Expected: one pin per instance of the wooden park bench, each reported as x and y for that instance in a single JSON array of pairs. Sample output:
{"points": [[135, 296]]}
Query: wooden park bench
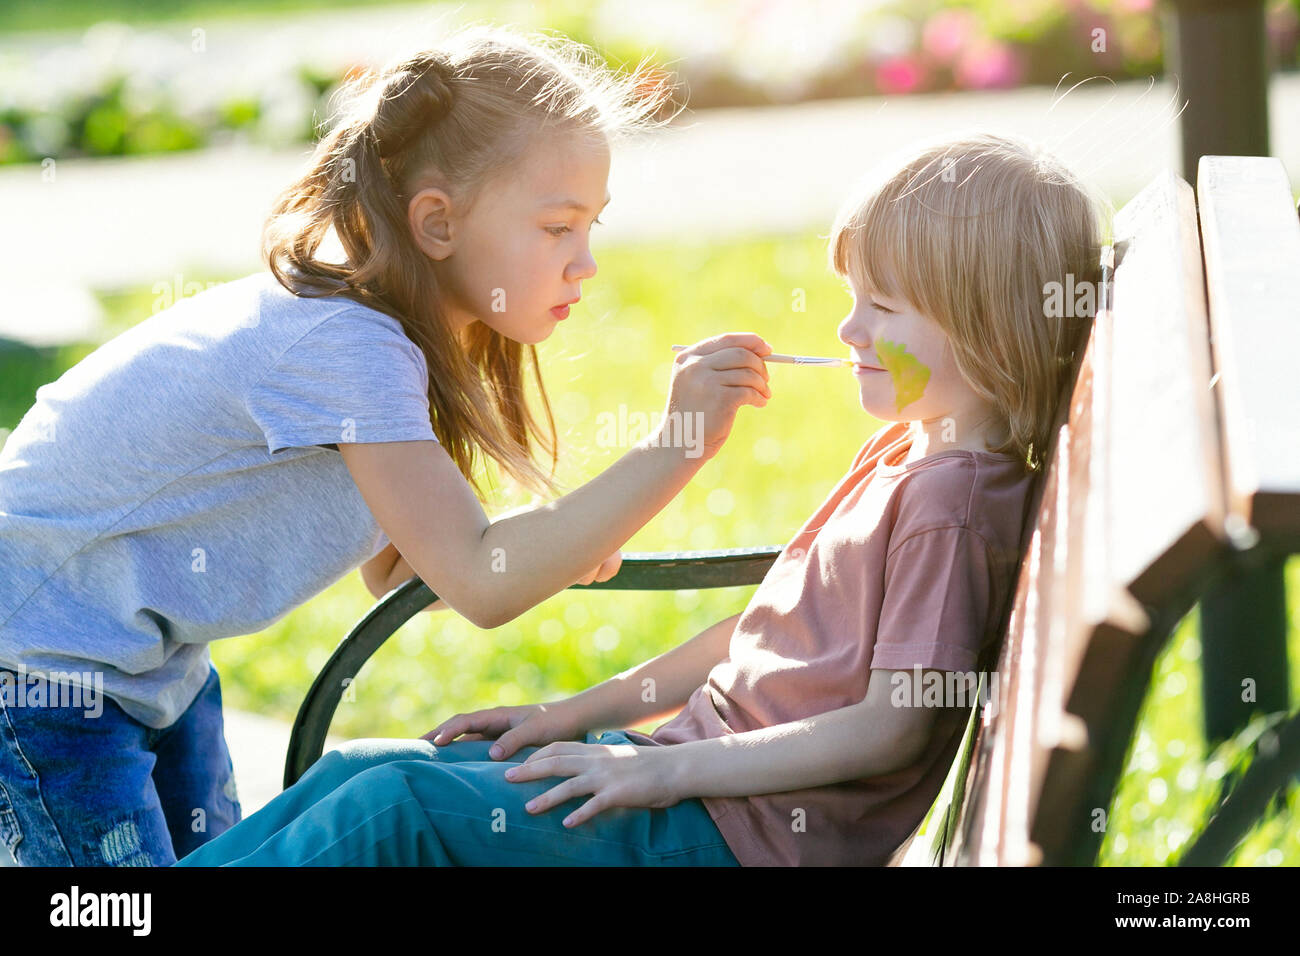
{"points": [[1173, 475]]}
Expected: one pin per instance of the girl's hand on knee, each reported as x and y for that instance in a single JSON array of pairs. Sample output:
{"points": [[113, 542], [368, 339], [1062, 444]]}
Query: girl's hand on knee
{"points": [[618, 775], [513, 727]]}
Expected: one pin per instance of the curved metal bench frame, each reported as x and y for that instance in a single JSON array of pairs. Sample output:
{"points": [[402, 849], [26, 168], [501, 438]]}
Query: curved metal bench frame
{"points": [[640, 571]]}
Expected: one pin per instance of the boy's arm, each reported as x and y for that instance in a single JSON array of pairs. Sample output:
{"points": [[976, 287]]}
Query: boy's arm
{"points": [[866, 739], [658, 688]]}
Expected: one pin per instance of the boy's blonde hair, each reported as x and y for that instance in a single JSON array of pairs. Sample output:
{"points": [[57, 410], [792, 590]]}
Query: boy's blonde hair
{"points": [[972, 232], [462, 113]]}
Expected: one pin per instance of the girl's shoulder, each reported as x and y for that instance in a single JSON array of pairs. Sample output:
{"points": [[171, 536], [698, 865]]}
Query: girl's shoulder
{"points": [[276, 296], [246, 328], [261, 307]]}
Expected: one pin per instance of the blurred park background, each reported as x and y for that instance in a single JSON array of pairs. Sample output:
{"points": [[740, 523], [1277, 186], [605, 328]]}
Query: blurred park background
{"points": [[141, 144]]}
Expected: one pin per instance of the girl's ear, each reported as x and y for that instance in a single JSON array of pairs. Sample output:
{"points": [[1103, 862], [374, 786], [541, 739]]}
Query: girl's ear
{"points": [[429, 214]]}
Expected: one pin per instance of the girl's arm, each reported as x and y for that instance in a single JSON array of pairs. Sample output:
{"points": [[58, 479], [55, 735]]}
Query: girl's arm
{"points": [[387, 570], [491, 572], [376, 572], [866, 739]]}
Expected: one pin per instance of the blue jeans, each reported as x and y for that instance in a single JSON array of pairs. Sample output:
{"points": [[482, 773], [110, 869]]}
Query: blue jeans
{"points": [[102, 789], [405, 802]]}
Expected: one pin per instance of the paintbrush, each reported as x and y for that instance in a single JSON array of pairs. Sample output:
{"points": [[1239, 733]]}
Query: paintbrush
{"points": [[795, 359]]}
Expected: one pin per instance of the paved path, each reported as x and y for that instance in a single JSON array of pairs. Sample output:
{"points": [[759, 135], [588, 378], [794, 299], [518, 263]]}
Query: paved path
{"points": [[258, 746], [189, 217]]}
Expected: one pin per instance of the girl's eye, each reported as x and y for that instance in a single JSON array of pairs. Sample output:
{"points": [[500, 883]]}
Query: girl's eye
{"points": [[561, 230], [880, 308]]}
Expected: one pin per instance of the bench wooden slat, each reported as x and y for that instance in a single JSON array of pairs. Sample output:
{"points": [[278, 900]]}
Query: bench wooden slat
{"points": [[1034, 754], [1095, 623], [970, 803], [1131, 516], [1252, 257], [982, 811], [1165, 486], [998, 794]]}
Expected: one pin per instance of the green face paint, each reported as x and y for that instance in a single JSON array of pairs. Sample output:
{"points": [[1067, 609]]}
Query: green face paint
{"points": [[907, 371]]}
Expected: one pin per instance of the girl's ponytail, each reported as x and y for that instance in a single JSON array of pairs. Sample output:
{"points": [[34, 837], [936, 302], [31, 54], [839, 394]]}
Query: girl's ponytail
{"points": [[368, 203], [412, 100]]}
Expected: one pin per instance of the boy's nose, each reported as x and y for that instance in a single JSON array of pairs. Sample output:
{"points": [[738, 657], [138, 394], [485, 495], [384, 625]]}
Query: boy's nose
{"points": [[851, 332]]}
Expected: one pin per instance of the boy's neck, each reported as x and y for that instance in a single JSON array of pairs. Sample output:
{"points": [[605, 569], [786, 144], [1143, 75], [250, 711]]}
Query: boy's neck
{"points": [[928, 437]]}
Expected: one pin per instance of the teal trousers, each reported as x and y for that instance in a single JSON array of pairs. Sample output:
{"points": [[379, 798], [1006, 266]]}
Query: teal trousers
{"points": [[404, 802]]}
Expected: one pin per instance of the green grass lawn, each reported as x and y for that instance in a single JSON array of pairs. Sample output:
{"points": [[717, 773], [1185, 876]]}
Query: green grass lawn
{"points": [[1171, 782], [778, 466]]}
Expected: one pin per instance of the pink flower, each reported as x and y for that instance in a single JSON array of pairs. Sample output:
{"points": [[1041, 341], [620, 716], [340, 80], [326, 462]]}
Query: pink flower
{"points": [[898, 74], [1135, 6], [989, 65], [947, 33], [1281, 23]]}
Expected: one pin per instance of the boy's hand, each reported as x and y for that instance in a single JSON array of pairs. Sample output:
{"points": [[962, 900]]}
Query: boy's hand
{"points": [[527, 725], [616, 775]]}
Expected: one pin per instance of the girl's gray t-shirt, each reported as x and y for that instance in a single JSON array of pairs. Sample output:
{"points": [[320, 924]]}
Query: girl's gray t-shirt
{"points": [[181, 484]]}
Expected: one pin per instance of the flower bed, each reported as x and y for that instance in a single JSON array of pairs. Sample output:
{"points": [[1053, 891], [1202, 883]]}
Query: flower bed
{"points": [[121, 90]]}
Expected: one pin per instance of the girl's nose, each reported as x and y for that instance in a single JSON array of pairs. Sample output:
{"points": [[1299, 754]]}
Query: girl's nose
{"points": [[583, 267]]}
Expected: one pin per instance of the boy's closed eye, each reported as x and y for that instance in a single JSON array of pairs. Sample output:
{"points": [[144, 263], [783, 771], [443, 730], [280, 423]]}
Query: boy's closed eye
{"points": [[873, 300]]}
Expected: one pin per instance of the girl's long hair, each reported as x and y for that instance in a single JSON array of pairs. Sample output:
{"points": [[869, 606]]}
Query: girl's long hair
{"points": [[463, 113]]}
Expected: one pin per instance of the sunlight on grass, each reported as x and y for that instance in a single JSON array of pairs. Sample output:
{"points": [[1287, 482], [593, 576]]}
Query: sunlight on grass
{"points": [[778, 466], [1171, 784]]}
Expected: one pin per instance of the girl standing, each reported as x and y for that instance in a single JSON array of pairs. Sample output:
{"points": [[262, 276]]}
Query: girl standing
{"points": [[222, 462]]}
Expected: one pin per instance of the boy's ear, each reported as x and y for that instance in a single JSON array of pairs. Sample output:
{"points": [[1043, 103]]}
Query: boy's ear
{"points": [[429, 214]]}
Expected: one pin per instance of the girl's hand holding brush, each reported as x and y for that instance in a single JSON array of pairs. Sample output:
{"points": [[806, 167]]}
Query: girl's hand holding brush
{"points": [[711, 380]]}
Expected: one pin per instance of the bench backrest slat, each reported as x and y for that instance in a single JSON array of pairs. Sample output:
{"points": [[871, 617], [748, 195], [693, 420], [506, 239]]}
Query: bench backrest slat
{"points": [[1131, 513], [1251, 238], [1165, 486]]}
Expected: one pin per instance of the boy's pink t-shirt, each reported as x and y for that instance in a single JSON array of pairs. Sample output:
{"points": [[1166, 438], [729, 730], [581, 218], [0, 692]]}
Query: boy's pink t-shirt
{"points": [[902, 566]]}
